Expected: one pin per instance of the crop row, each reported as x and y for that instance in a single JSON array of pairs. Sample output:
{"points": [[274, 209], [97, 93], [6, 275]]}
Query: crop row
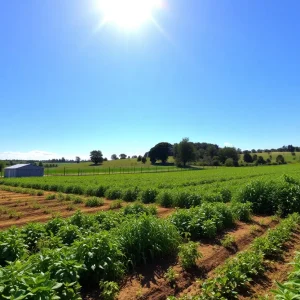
{"points": [[84, 250], [193, 179], [291, 288], [232, 277]]}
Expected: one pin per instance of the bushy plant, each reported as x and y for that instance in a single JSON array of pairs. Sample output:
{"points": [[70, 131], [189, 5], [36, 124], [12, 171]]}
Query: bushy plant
{"points": [[94, 202], [110, 290], [113, 193], [130, 194], [148, 195], [188, 254], [165, 198]]}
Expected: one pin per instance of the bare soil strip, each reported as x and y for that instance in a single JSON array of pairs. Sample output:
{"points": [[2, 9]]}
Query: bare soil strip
{"points": [[24, 208]]}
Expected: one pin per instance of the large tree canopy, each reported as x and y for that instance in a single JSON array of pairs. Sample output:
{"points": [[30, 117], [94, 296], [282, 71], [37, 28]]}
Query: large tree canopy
{"points": [[160, 151], [184, 152], [96, 157]]}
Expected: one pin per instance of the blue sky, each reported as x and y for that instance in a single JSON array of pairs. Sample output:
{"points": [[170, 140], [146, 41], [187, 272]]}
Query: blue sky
{"points": [[220, 71]]}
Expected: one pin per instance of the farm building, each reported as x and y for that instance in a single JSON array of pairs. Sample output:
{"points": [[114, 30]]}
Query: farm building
{"points": [[23, 170]]}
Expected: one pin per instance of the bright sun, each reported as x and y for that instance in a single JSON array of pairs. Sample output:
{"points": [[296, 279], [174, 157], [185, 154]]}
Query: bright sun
{"points": [[128, 14]]}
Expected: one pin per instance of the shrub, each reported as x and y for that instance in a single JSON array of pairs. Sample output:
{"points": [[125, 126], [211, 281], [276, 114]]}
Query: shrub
{"points": [[68, 234], [113, 193], [188, 254], [94, 202], [148, 195], [130, 194], [110, 290], [165, 199], [50, 197], [147, 238]]}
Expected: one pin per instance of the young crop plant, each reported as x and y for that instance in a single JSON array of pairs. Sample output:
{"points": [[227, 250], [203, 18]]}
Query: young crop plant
{"points": [[290, 289], [12, 246], [130, 194], [188, 255], [146, 238], [236, 272], [228, 242], [138, 208], [77, 200], [109, 290], [171, 276], [165, 199], [50, 197], [116, 204], [148, 195], [94, 202]]}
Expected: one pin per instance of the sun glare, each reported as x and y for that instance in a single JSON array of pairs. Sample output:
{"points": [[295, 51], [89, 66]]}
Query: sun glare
{"points": [[128, 14]]}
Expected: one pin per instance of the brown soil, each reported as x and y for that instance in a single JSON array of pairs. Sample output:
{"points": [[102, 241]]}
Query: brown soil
{"points": [[20, 209], [149, 283], [276, 271]]}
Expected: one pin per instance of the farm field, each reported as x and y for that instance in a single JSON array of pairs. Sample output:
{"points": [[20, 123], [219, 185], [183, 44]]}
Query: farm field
{"points": [[229, 232], [111, 166]]}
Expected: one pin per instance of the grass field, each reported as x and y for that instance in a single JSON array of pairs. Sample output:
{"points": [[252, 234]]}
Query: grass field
{"points": [[224, 231]]}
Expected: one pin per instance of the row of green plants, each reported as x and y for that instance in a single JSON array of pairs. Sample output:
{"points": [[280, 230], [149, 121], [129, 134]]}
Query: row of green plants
{"points": [[97, 185], [281, 197], [290, 289], [84, 250], [236, 272]]}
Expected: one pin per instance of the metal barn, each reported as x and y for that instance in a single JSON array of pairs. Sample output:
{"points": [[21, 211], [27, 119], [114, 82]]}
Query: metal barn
{"points": [[23, 170]]}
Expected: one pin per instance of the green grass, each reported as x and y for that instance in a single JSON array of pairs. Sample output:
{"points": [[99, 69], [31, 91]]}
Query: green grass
{"points": [[111, 166], [288, 157]]}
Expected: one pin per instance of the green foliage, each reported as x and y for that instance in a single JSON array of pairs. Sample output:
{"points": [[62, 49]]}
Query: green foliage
{"points": [[170, 276], [130, 194], [68, 234], [110, 290], [148, 195], [50, 197], [96, 157], [94, 202], [102, 257], [32, 233], [188, 254], [228, 241], [184, 152], [165, 198], [138, 208], [113, 193], [12, 246], [147, 238]]}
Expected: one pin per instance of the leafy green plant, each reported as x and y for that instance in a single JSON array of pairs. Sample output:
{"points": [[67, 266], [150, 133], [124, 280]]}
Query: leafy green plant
{"points": [[94, 202], [116, 204], [188, 254], [228, 241], [170, 276], [50, 197], [110, 290]]}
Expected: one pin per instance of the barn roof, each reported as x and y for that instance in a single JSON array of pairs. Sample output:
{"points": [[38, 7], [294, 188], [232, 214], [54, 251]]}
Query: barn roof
{"points": [[18, 166]]}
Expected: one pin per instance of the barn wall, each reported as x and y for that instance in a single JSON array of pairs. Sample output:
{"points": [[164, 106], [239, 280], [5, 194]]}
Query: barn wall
{"points": [[24, 172]]}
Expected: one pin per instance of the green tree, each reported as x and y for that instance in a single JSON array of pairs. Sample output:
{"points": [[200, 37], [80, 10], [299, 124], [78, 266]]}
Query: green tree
{"points": [[160, 151], [280, 159], [261, 161], [40, 164], [114, 157], [96, 156], [248, 158], [144, 159], [185, 152], [229, 152], [229, 162], [139, 158], [123, 156], [77, 159]]}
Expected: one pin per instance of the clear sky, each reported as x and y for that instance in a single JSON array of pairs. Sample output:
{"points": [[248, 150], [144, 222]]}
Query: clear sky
{"points": [[220, 71]]}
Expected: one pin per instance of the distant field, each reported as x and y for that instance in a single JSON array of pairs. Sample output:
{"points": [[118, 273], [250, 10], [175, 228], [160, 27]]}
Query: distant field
{"points": [[118, 186], [111, 166], [289, 158]]}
